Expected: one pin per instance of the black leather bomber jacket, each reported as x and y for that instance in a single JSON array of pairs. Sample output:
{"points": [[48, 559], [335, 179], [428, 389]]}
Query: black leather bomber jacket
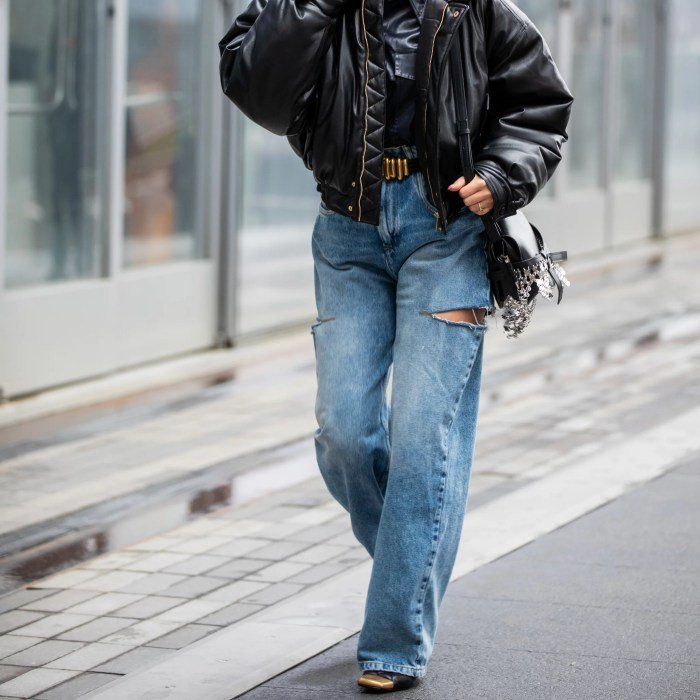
{"points": [[314, 71]]}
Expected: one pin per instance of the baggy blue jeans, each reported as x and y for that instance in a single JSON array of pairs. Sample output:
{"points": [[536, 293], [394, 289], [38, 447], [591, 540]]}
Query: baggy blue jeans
{"points": [[401, 469]]}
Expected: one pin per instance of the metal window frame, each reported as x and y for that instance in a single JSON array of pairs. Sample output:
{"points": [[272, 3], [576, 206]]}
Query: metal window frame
{"points": [[4, 91], [231, 203]]}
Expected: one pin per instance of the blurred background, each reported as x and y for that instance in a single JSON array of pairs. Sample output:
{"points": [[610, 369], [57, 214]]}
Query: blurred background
{"points": [[144, 218]]}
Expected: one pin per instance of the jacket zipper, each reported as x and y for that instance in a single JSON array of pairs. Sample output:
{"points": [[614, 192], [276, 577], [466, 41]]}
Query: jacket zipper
{"points": [[425, 115], [440, 221], [364, 134]]}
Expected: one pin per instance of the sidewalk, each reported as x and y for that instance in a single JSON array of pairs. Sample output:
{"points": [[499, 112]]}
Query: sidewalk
{"points": [[607, 606], [225, 602], [194, 451]]}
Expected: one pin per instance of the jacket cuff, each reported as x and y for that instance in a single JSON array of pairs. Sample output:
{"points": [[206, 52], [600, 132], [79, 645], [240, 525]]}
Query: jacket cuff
{"points": [[492, 175]]}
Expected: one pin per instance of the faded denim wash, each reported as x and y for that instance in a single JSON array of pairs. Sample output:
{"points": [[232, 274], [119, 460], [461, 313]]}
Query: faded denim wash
{"points": [[400, 468]]}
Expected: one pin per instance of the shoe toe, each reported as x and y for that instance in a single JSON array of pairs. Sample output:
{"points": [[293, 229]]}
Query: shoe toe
{"points": [[385, 680]]}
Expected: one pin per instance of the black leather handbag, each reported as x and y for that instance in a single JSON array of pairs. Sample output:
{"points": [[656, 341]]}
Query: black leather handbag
{"points": [[519, 263]]}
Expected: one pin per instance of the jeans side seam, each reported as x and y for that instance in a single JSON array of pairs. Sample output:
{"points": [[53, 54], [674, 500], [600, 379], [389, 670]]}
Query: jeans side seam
{"points": [[438, 519]]}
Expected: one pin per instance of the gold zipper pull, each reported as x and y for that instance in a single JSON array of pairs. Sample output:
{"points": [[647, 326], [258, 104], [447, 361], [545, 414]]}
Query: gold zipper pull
{"points": [[437, 220]]}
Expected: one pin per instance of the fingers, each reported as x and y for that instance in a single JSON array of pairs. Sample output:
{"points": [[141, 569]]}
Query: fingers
{"points": [[486, 206], [475, 194]]}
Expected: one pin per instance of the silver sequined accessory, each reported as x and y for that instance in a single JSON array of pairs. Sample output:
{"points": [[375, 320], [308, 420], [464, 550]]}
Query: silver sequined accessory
{"points": [[517, 313]]}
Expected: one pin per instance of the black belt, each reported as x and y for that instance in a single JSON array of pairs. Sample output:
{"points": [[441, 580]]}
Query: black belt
{"points": [[398, 167]]}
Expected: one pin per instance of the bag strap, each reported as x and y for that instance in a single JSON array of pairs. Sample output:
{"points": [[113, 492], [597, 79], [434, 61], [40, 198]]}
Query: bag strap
{"points": [[459, 79]]}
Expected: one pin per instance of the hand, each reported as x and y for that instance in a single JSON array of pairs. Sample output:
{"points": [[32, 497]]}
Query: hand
{"points": [[475, 194]]}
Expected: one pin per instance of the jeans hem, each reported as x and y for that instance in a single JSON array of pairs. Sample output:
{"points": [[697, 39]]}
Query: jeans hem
{"points": [[419, 671]]}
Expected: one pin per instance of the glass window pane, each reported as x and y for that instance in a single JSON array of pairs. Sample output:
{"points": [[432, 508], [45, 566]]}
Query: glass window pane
{"points": [[635, 68], [586, 125], [280, 201], [162, 204], [53, 212], [682, 138], [543, 13]]}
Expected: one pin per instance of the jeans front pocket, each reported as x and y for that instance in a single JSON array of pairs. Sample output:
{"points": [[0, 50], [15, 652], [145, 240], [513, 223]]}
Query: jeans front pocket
{"points": [[421, 191]]}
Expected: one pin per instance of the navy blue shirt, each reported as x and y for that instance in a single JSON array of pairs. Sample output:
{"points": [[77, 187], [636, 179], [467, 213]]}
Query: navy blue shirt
{"points": [[401, 19]]}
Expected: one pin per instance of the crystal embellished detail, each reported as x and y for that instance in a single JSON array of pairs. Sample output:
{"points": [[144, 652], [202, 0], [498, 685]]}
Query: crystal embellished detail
{"points": [[517, 313]]}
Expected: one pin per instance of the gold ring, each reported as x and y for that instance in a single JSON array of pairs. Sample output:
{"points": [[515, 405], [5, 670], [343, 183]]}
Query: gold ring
{"points": [[481, 211]]}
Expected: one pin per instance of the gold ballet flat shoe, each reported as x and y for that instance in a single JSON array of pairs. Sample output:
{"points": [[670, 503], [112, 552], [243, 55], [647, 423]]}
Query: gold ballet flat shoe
{"points": [[384, 681]]}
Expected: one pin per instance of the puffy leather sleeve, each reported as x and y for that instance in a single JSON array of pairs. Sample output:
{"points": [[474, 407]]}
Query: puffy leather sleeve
{"points": [[271, 57], [529, 110]]}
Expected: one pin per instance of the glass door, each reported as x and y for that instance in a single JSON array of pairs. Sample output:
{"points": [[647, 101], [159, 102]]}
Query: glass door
{"points": [[601, 194], [631, 90], [108, 187]]}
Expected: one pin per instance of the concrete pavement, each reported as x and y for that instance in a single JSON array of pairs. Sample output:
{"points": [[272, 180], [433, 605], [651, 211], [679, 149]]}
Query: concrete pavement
{"points": [[607, 606]]}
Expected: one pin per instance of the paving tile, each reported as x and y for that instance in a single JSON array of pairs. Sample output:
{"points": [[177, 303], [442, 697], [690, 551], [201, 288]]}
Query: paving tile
{"points": [[318, 553], [315, 574], [189, 612], [154, 562], [153, 583], [259, 528], [66, 579], [51, 625], [113, 560], [22, 598], [9, 671], [235, 591], [141, 633], [148, 606], [278, 550], [111, 581], [315, 516], [155, 544], [199, 564], [78, 686], [105, 603], [238, 568], [321, 533], [199, 545], [230, 614], [16, 619], [42, 653], [34, 682], [277, 572], [86, 657], [273, 593], [11, 644], [133, 660], [194, 586], [277, 514], [182, 637], [96, 629], [59, 602], [240, 547]]}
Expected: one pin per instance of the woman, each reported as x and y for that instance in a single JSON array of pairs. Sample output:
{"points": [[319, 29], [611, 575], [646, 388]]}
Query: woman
{"points": [[361, 89]]}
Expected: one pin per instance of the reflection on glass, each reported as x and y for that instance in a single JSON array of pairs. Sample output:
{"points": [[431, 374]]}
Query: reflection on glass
{"points": [[53, 213], [280, 202], [585, 128], [684, 98], [682, 171], [634, 83], [543, 13], [162, 167]]}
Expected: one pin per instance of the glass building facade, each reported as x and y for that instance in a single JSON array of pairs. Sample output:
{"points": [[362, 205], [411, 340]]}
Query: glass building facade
{"points": [[142, 217]]}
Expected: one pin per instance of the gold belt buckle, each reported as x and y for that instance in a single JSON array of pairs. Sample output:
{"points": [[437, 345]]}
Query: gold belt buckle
{"points": [[394, 167]]}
